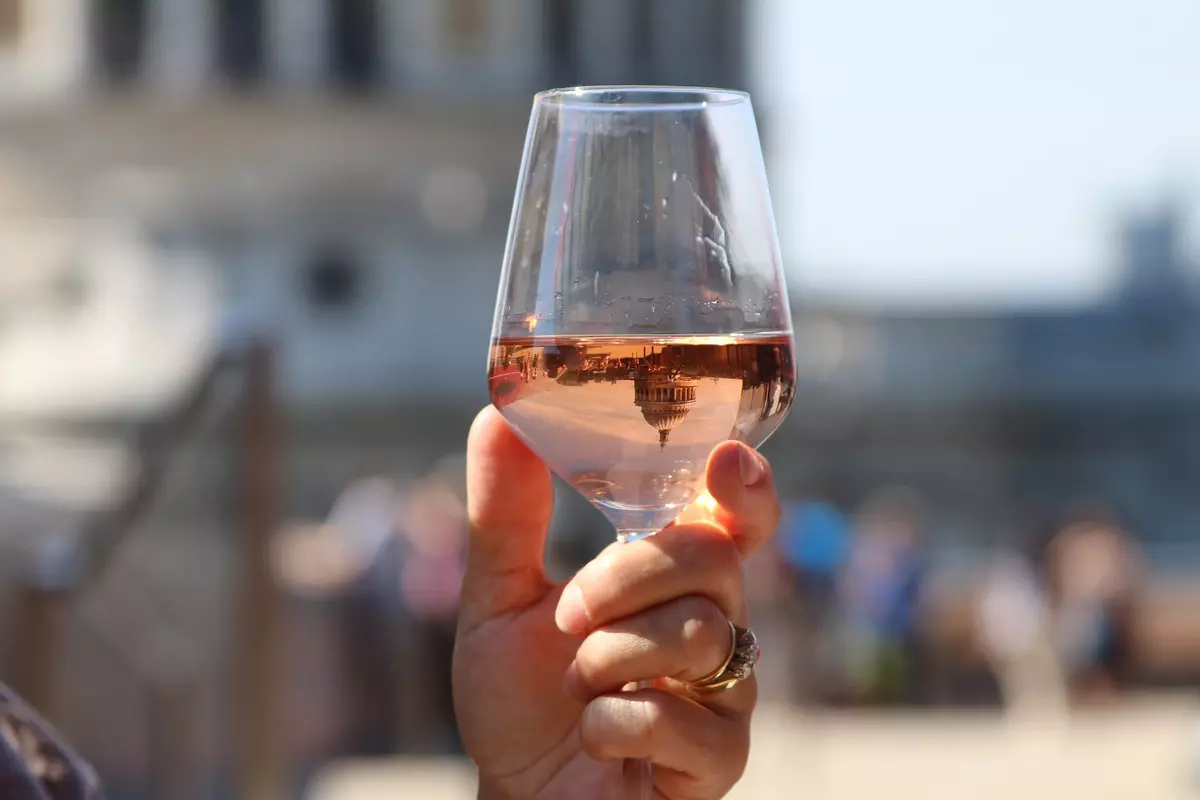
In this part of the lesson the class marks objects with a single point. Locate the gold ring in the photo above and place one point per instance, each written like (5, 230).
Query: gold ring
(738, 665)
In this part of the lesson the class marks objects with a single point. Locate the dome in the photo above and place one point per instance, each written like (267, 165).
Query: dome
(664, 401)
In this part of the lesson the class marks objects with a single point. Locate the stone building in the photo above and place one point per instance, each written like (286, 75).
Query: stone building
(336, 174)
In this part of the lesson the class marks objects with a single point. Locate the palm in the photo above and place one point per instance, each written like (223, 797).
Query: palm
(518, 725)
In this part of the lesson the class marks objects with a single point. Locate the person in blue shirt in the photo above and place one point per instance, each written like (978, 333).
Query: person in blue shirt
(814, 542)
(880, 589)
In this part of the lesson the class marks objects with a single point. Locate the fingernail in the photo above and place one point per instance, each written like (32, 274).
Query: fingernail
(571, 615)
(750, 465)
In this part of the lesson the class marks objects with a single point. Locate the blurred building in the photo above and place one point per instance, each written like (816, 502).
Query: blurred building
(1008, 422)
(336, 174)
(1004, 418)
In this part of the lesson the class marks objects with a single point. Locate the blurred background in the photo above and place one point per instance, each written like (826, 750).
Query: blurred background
(248, 259)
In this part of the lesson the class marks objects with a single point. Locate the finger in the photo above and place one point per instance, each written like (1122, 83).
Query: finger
(509, 501)
(626, 579)
(696, 753)
(740, 482)
(686, 639)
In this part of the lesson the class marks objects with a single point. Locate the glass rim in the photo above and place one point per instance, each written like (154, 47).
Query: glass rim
(635, 97)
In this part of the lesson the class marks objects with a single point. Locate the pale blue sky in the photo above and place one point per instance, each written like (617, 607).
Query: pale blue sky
(962, 151)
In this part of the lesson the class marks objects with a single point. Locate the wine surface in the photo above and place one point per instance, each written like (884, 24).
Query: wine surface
(630, 421)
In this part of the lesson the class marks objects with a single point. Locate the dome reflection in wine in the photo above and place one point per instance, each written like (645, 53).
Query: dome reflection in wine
(630, 421)
(664, 399)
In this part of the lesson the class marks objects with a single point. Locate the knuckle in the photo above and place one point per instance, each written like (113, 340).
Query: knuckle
(607, 562)
(603, 580)
(600, 573)
(694, 541)
(706, 548)
(612, 728)
(599, 654)
(710, 556)
(704, 636)
(596, 730)
(589, 663)
(648, 720)
(600, 749)
(718, 567)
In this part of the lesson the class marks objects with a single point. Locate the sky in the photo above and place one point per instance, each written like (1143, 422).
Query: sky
(965, 152)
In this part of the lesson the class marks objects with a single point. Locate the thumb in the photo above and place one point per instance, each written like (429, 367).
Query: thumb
(509, 502)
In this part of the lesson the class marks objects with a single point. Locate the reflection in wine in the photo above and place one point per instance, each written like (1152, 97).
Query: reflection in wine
(630, 421)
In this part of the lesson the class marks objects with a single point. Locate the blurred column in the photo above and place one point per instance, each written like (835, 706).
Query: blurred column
(517, 50)
(560, 53)
(687, 44)
(410, 38)
(607, 41)
(421, 49)
(298, 41)
(257, 736)
(181, 44)
(55, 48)
(42, 614)
(355, 53)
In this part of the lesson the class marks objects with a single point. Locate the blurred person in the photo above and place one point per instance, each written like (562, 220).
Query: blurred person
(368, 513)
(435, 530)
(813, 542)
(352, 563)
(1012, 622)
(880, 590)
(769, 592)
(540, 666)
(1094, 575)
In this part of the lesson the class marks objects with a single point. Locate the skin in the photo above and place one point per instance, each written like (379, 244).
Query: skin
(540, 667)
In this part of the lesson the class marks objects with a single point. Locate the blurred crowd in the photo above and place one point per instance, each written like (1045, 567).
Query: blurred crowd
(852, 606)
(869, 618)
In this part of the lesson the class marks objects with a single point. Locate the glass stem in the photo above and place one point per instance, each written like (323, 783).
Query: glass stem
(639, 772)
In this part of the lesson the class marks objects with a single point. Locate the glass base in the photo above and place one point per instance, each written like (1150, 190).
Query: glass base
(638, 522)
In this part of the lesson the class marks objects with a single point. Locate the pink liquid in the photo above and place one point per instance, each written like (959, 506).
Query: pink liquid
(630, 421)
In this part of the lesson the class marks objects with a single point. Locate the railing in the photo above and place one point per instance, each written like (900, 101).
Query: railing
(169, 675)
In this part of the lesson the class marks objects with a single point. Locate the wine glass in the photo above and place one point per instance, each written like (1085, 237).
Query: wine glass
(642, 316)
